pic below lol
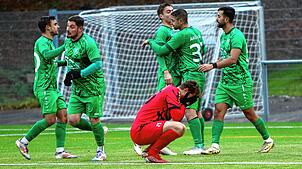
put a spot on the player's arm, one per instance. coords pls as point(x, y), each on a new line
point(175, 42)
point(177, 114)
point(51, 54)
point(161, 60)
point(236, 44)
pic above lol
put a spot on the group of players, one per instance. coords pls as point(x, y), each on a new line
point(181, 81)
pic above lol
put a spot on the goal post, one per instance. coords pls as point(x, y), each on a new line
point(131, 72)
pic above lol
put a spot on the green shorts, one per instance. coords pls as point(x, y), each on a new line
point(51, 101)
point(242, 95)
point(161, 80)
point(92, 106)
point(199, 77)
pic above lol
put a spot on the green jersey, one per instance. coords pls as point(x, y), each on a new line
point(45, 66)
point(79, 55)
point(235, 74)
point(166, 62)
point(189, 45)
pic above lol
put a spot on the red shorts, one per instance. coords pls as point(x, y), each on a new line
point(147, 134)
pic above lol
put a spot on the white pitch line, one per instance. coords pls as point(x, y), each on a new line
point(128, 128)
point(77, 131)
point(136, 163)
point(72, 132)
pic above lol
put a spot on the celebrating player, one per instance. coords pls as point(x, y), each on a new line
point(86, 76)
point(236, 85)
point(189, 43)
point(45, 89)
point(152, 126)
point(168, 72)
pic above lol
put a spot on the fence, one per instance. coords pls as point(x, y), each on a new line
point(297, 77)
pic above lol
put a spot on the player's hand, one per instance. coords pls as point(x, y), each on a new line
point(72, 74)
point(144, 43)
point(168, 77)
point(205, 67)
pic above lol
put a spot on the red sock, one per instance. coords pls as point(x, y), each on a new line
point(166, 138)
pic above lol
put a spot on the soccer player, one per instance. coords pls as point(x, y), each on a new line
point(236, 84)
point(189, 43)
point(87, 79)
point(168, 72)
point(152, 125)
point(45, 89)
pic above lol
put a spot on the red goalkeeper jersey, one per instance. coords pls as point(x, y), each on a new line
point(163, 105)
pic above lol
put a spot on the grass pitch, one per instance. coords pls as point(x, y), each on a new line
point(239, 145)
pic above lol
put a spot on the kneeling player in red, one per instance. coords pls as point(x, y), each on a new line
point(152, 125)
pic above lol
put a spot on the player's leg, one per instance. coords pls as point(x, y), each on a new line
point(61, 130)
point(217, 127)
point(222, 103)
point(244, 100)
point(94, 107)
point(48, 107)
point(75, 108)
point(171, 130)
point(195, 121)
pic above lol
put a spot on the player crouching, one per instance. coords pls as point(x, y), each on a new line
point(152, 126)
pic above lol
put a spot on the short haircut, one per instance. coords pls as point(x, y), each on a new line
point(160, 9)
point(77, 19)
point(181, 14)
point(45, 20)
point(229, 12)
point(192, 86)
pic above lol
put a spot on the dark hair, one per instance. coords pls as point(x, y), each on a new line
point(192, 87)
point(181, 14)
point(45, 20)
point(77, 19)
point(229, 12)
point(160, 9)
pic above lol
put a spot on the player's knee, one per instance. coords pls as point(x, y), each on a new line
point(179, 128)
point(94, 120)
point(72, 120)
point(191, 114)
point(62, 118)
point(50, 121)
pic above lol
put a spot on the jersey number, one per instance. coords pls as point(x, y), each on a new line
point(197, 48)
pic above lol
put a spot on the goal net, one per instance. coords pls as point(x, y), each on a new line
point(131, 72)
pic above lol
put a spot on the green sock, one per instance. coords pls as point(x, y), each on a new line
point(98, 132)
point(195, 129)
point(36, 129)
point(260, 126)
point(60, 133)
point(217, 130)
point(202, 129)
point(84, 125)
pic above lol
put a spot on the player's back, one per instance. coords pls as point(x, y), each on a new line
point(157, 106)
point(189, 43)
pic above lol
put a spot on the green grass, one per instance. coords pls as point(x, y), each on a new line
point(238, 145)
point(286, 81)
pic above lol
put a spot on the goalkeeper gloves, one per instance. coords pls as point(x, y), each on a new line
point(72, 74)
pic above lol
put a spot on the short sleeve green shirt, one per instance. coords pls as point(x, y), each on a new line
point(235, 74)
point(79, 55)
